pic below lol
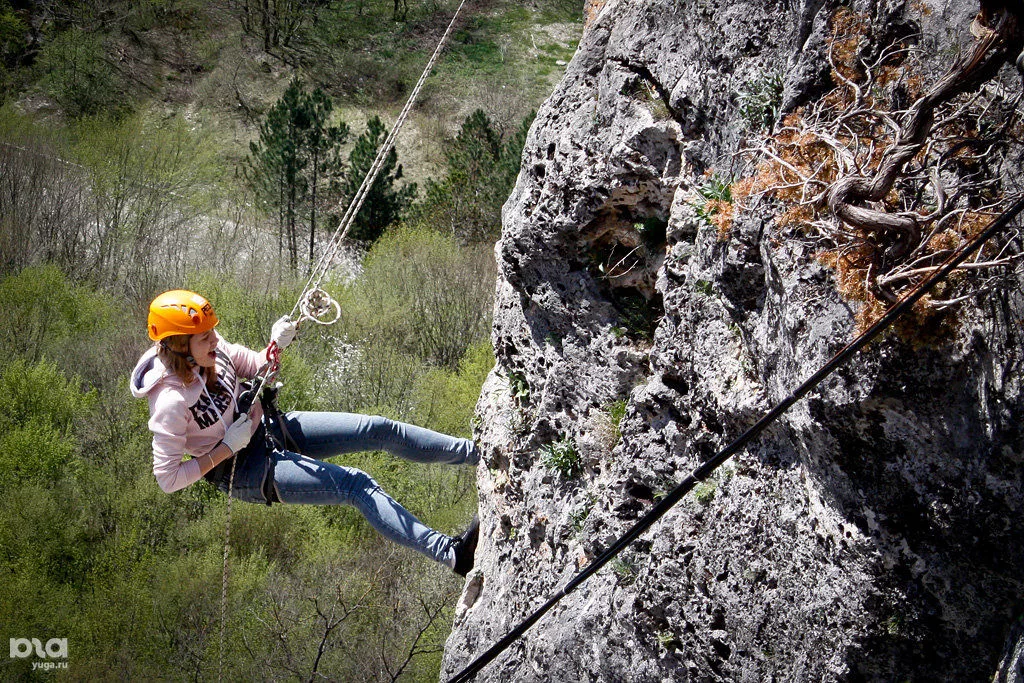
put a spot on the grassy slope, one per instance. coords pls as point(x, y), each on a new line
point(197, 67)
point(504, 57)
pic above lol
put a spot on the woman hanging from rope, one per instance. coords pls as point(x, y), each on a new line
point(191, 377)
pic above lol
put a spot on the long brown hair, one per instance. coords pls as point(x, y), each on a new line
point(173, 351)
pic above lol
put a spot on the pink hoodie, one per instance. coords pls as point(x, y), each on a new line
point(189, 418)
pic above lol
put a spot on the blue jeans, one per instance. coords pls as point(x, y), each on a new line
point(304, 478)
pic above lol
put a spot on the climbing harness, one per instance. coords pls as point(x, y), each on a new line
point(315, 305)
point(705, 470)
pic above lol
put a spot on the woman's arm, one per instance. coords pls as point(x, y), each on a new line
point(235, 439)
point(215, 457)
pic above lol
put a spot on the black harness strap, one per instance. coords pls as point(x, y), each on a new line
point(277, 438)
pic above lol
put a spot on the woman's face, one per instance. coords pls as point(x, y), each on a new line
point(203, 348)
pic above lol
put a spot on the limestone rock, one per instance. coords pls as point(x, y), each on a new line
point(874, 533)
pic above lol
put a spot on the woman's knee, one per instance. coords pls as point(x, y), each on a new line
point(360, 481)
point(380, 427)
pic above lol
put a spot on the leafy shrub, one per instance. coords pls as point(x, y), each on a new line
point(563, 457)
point(39, 408)
point(445, 400)
point(77, 75)
point(46, 314)
point(760, 100)
point(33, 452)
point(41, 392)
point(423, 295)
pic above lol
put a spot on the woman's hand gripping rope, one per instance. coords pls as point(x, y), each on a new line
point(281, 335)
point(316, 305)
point(238, 434)
point(283, 332)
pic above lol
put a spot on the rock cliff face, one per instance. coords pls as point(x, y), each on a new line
point(874, 533)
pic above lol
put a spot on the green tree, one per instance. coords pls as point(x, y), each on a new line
point(482, 169)
point(77, 74)
point(384, 203)
point(13, 31)
point(275, 22)
point(323, 147)
point(296, 153)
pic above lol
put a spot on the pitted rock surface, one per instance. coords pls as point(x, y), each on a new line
point(873, 533)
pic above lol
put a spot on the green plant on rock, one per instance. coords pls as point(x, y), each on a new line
point(714, 204)
point(760, 100)
point(669, 641)
point(578, 516)
point(704, 492)
point(616, 411)
point(518, 386)
point(704, 287)
point(563, 457)
point(625, 569)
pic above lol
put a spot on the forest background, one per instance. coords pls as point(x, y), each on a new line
point(160, 144)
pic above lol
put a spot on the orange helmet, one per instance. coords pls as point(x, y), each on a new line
point(180, 312)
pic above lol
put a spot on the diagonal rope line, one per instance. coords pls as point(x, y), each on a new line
point(356, 204)
point(702, 472)
point(314, 283)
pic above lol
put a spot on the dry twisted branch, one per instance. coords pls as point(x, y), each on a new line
point(894, 189)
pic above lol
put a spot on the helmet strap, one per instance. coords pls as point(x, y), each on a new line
point(181, 354)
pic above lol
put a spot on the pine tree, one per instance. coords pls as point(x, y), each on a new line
point(297, 151)
point(384, 204)
point(482, 169)
point(323, 146)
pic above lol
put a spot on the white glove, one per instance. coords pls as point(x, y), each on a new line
point(238, 434)
point(283, 331)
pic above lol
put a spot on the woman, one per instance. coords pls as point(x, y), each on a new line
point(191, 377)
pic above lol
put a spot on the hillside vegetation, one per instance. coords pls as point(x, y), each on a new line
point(129, 135)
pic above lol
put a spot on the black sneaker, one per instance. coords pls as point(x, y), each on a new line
point(465, 547)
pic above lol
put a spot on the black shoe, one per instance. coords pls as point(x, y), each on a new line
point(465, 547)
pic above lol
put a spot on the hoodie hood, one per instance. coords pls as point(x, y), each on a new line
point(148, 372)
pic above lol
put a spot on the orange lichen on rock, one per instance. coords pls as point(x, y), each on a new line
point(591, 10)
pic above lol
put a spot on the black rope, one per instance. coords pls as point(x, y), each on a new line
point(699, 474)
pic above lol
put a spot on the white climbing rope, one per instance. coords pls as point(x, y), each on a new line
point(224, 578)
point(317, 274)
point(317, 305)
